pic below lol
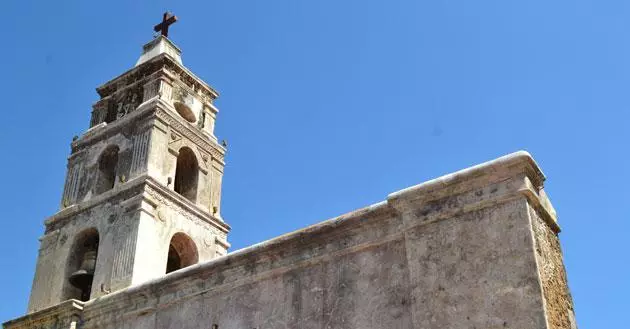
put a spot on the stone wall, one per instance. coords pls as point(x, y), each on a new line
point(558, 300)
point(135, 222)
point(466, 250)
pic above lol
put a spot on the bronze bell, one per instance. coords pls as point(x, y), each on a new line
point(82, 278)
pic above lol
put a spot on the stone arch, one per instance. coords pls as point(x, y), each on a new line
point(81, 264)
point(187, 174)
point(182, 252)
point(107, 166)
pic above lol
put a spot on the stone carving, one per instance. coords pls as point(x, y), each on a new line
point(133, 76)
point(190, 80)
point(142, 72)
point(203, 142)
point(169, 209)
point(150, 90)
point(163, 213)
point(99, 113)
point(128, 102)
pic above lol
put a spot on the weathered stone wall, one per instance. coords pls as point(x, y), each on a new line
point(466, 250)
point(558, 300)
point(133, 245)
point(458, 252)
point(81, 179)
point(50, 284)
point(135, 222)
point(476, 270)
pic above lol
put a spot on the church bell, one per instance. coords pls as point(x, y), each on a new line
point(82, 278)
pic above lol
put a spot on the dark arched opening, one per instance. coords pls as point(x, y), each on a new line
point(81, 265)
point(107, 165)
point(186, 174)
point(112, 110)
point(182, 252)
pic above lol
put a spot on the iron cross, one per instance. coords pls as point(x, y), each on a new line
point(167, 20)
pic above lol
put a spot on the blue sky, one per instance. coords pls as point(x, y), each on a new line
point(328, 106)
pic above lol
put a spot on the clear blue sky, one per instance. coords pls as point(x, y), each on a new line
point(328, 106)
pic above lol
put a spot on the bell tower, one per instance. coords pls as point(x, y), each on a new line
point(142, 196)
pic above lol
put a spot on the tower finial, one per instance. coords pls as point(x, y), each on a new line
point(167, 20)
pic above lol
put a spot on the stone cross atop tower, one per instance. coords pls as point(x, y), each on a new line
point(167, 20)
point(143, 187)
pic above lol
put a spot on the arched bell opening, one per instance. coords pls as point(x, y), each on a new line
point(81, 265)
point(182, 252)
point(107, 165)
point(187, 174)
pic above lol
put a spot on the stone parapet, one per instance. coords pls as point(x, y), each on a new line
point(483, 185)
point(66, 315)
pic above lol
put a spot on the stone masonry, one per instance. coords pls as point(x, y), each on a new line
point(139, 241)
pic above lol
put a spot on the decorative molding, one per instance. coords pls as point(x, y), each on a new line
point(217, 151)
point(165, 113)
point(176, 144)
point(119, 191)
point(157, 64)
point(178, 204)
point(131, 120)
point(222, 243)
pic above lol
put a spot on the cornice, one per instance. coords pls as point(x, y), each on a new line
point(96, 200)
point(192, 78)
point(65, 309)
point(154, 186)
point(153, 65)
point(105, 130)
point(149, 186)
point(511, 165)
point(171, 118)
point(135, 74)
point(159, 109)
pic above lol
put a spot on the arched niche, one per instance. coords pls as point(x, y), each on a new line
point(182, 252)
point(81, 264)
point(187, 174)
point(107, 166)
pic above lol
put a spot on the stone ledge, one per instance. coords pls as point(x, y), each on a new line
point(142, 181)
point(477, 187)
point(66, 312)
point(103, 130)
point(163, 59)
point(475, 176)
